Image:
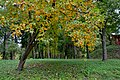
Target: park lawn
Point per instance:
(61, 69)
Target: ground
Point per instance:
(60, 69)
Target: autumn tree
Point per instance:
(78, 18)
(84, 29)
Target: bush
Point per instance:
(112, 50)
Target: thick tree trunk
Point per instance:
(88, 54)
(24, 56)
(4, 43)
(30, 46)
(104, 50)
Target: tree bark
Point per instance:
(4, 43)
(48, 50)
(39, 55)
(30, 46)
(42, 56)
(75, 52)
(104, 50)
(33, 54)
(24, 56)
(11, 56)
(16, 39)
(88, 54)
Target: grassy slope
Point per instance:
(50, 69)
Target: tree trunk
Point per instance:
(88, 54)
(104, 50)
(42, 56)
(24, 56)
(16, 39)
(33, 54)
(4, 43)
(39, 55)
(48, 50)
(11, 56)
(30, 46)
(75, 52)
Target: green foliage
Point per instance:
(108, 8)
(49, 69)
(1, 48)
(15, 48)
(12, 47)
(78, 20)
(112, 50)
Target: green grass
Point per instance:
(60, 69)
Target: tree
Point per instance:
(111, 21)
(4, 27)
(77, 18)
(5, 33)
(13, 49)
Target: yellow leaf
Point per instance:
(45, 28)
(56, 18)
(2, 18)
(37, 12)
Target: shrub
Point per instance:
(112, 50)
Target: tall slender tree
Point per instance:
(108, 8)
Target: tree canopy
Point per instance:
(80, 19)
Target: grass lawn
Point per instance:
(60, 69)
